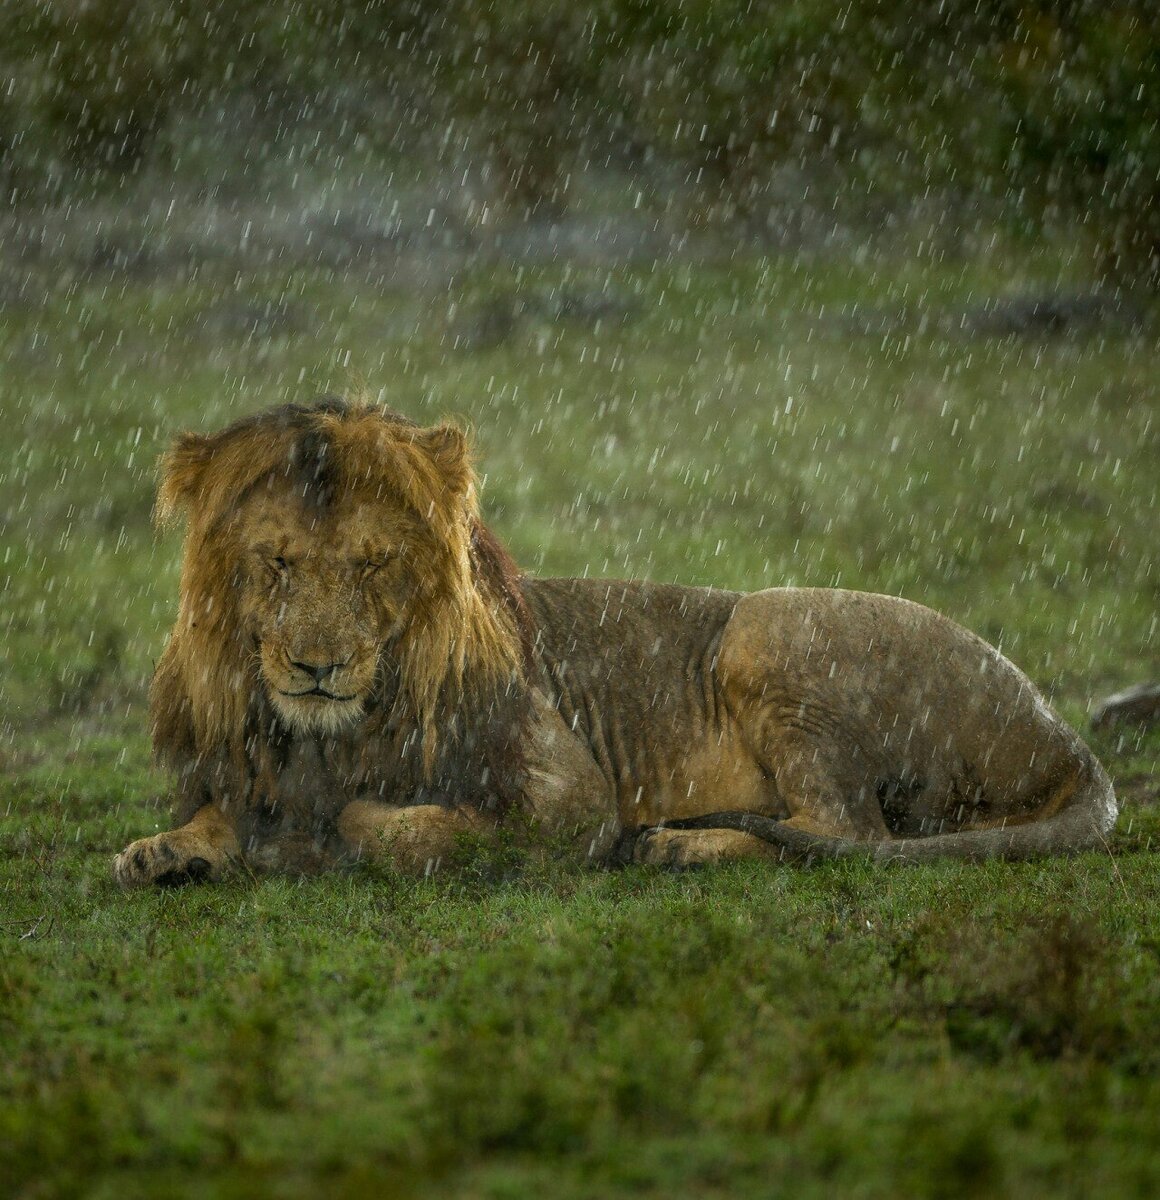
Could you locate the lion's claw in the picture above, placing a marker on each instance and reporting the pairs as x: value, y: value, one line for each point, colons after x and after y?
x: 170, y: 860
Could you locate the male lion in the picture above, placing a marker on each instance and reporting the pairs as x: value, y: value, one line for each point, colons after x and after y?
x: 358, y: 668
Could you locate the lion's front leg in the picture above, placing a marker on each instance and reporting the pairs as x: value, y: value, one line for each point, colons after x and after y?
x: 413, y: 840
x: 570, y: 807
x: 201, y: 851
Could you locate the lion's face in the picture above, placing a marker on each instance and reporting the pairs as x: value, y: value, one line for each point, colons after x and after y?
x: 324, y: 543
x: 321, y: 593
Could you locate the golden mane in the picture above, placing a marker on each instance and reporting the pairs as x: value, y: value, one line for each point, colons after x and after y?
x: 462, y: 643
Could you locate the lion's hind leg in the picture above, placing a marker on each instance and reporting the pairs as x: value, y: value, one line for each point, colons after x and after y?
x: 661, y: 847
x: 199, y: 852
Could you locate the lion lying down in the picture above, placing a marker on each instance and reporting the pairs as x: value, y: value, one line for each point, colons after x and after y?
x: 358, y: 668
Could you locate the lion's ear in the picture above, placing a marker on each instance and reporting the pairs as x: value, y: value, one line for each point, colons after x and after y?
x: 181, y: 473
x: 449, y: 449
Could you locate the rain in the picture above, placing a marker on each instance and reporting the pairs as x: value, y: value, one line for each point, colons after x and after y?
x: 726, y: 294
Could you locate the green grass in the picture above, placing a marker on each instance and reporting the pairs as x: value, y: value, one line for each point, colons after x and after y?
x: 512, y: 1028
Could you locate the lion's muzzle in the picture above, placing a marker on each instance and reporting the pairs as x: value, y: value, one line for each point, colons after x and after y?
x: 321, y: 678
x: 316, y: 693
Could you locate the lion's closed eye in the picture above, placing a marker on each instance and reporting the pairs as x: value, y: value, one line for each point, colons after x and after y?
x: 277, y: 569
x: 368, y: 567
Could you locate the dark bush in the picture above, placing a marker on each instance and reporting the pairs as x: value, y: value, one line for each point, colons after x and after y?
x: 1047, y: 105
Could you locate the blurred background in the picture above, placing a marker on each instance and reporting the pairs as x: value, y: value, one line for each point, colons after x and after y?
x: 786, y: 122
x: 853, y: 293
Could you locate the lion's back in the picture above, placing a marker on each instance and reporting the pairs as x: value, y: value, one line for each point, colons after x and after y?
x: 901, y: 689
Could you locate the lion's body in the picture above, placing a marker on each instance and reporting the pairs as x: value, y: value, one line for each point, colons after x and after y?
x: 358, y: 668
x: 847, y: 715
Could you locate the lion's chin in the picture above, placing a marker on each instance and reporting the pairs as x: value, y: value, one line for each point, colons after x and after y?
x: 316, y: 714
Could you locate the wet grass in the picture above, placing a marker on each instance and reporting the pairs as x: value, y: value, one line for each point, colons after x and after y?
x: 946, y: 1030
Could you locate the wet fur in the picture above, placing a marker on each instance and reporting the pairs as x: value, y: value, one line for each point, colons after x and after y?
x: 679, y: 725
x: 448, y: 705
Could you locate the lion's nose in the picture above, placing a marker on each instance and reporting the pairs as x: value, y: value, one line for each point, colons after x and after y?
x: 317, y: 671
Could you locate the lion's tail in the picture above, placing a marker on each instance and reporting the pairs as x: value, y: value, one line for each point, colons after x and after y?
x: 1084, y: 813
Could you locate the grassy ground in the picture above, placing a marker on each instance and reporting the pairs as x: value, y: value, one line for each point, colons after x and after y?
x: 949, y: 1030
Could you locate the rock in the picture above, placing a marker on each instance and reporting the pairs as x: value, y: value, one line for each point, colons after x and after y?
x: 1138, y: 705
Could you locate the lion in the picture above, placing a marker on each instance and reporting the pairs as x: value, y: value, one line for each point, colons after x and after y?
x: 358, y: 669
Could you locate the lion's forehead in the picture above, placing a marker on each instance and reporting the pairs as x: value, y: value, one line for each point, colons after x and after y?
x: 279, y: 522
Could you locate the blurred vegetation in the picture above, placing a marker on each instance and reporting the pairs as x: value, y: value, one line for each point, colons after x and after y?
x: 1050, y: 106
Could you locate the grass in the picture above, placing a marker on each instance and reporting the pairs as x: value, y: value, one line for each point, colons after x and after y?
x: 946, y: 1030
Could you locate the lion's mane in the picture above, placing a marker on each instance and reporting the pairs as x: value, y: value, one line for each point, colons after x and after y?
x: 451, y: 692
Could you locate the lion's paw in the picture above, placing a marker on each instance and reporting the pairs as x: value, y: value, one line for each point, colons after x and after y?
x: 171, y: 860
x: 681, y: 849
x: 662, y: 848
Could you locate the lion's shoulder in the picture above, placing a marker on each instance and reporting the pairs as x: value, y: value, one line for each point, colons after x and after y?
x: 587, y: 615
x: 627, y: 646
